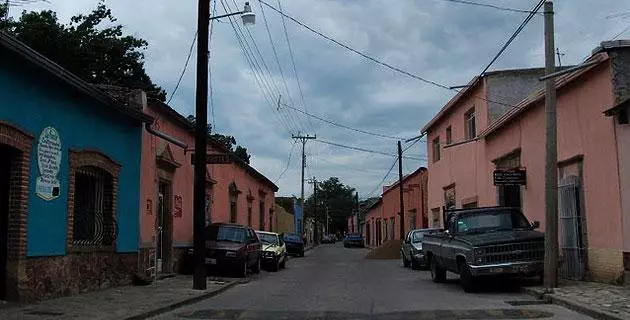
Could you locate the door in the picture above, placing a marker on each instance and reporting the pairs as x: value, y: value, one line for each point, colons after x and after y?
x: 5, y: 175
x: 164, y: 227
x: 572, y: 244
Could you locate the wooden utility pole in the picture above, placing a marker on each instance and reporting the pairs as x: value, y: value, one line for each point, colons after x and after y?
x: 551, y: 163
x: 315, y: 215
x: 303, y: 139
x: 400, y: 187
x: 201, y: 132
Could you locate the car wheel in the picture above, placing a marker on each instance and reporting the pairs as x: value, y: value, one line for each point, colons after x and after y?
x: 438, y: 274
x: 404, y: 260
x: 243, y: 272
x: 256, y: 268
x: 284, y: 262
x: 466, y: 279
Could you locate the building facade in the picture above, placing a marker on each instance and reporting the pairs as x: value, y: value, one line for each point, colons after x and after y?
x: 592, y: 156
x: 69, y: 180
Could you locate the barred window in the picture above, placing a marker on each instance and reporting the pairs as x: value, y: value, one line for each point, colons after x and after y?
x: 93, y: 208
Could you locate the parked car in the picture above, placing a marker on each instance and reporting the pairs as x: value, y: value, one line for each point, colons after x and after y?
x: 495, y: 241
x: 328, y: 239
x: 353, y: 240
x: 232, y: 246
x: 411, y: 249
x: 274, y: 251
x: 294, y: 244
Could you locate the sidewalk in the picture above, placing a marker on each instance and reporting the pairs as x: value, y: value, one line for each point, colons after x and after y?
x: 129, y: 302
x: 598, y: 300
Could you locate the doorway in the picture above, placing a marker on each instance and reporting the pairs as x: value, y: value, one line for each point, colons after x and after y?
x: 5, y: 184
x: 164, y: 228
x: 510, y: 196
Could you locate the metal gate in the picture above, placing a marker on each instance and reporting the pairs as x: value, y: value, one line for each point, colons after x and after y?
x: 572, y: 248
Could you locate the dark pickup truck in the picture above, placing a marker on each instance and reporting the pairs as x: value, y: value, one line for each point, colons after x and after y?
x: 491, y: 241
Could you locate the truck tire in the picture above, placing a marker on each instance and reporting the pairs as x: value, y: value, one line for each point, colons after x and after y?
x: 438, y: 274
x: 466, y: 279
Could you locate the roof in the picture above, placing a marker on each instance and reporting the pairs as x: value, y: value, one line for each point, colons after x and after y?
x: 40, y: 61
x: 181, y: 120
x: 405, y: 178
x: 539, y: 95
x: 374, y: 205
x: 267, y: 232
x: 468, y: 88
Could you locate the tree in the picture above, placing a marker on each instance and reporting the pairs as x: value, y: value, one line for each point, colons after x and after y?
x: 91, y: 46
x: 338, y: 198
x: 227, y: 141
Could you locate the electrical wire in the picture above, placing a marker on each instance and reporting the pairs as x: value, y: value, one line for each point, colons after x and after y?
x: 181, y: 75
x: 297, y: 77
x: 378, y: 186
x: 365, y: 150
x: 214, y: 11
x: 288, y: 162
x: 341, y: 125
x: 520, y: 28
x: 487, y: 6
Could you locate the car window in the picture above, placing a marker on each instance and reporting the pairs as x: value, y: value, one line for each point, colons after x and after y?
x: 417, y: 237
x: 225, y: 233
x: 268, y: 238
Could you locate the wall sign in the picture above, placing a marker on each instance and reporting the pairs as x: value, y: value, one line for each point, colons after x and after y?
x: 515, y: 177
x: 48, y: 161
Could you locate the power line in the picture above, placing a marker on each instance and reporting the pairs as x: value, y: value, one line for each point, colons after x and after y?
x: 375, y: 60
x: 297, y: 77
x: 181, y: 76
x: 214, y: 12
x: 488, y: 6
x: 620, y: 33
x: 341, y: 125
x: 514, y: 35
x: 288, y: 162
x: 365, y: 150
x: 383, y: 180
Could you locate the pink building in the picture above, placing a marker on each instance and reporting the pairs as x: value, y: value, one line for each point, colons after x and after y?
x: 235, y: 192
x: 469, y: 140
x: 383, y: 219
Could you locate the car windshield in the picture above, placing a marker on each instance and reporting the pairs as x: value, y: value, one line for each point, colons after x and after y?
x: 492, y: 221
x: 225, y: 233
x: 267, y: 238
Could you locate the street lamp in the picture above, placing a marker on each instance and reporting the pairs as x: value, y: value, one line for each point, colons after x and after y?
x: 201, y: 132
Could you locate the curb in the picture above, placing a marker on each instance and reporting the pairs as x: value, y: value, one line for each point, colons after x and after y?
x: 179, y: 304
x: 572, y: 305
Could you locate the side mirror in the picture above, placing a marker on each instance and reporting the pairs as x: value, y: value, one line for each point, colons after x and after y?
x: 535, y: 224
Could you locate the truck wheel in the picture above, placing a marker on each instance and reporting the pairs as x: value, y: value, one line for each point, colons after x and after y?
x: 438, y: 274
x: 466, y: 279
x: 404, y: 260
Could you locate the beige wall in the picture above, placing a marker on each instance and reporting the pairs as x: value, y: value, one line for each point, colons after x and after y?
x: 284, y: 221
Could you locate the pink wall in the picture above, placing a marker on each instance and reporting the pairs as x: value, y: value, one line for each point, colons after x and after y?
x: 413, y: 190
x: 582, y: 130
x: 182, y: 185
x: 461, y: 165
x: 371, y: 216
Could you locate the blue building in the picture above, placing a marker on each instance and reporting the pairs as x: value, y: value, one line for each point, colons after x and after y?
x: 69, y: 180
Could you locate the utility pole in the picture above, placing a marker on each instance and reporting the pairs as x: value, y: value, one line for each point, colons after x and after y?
x: 201, y: 132
x: 303, y: 139
x: 327, y: 231
x: 551, y: 169
x: 400, y: 186
x: 313, y: 181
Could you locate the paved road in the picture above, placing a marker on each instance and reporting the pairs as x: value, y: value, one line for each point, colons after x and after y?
x: 336, y: 283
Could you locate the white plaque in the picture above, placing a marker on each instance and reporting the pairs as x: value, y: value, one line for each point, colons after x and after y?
x: 48, y: 161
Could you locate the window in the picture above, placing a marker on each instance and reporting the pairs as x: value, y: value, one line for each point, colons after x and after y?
x: 225, y: 233
x: 436, y: 149
x: 93, y: 210
x: 469, y: 124
x: 449, y: 135
x: 449, y: 197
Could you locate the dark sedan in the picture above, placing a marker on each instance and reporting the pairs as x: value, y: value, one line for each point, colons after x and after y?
x: 295, y: 245
x: 232, y: 247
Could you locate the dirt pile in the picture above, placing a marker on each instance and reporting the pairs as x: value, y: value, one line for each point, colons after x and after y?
x: 388, y: 250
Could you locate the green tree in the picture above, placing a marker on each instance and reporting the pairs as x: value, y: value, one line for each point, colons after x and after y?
x: 338, y: 198
x: 91, y: 46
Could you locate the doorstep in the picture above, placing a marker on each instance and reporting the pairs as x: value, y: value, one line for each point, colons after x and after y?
x: 128, y: 302
x: 597, y: 300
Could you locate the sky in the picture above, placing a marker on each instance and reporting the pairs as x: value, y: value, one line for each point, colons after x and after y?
x: 444, y: 41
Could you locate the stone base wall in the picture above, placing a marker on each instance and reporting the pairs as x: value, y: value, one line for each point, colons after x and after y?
x: 182, y: 262
x: 605, y: 265
x: 75, y: 273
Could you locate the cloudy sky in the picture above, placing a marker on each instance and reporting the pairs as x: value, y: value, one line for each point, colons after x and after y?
x: 444, y: 41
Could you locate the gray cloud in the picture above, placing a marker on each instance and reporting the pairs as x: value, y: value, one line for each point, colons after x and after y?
x: 442, y: 41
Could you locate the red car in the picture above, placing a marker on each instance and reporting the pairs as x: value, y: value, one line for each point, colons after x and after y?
x: 233, y: 247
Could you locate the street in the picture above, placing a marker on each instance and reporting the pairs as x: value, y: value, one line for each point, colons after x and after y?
x: 332, y: 282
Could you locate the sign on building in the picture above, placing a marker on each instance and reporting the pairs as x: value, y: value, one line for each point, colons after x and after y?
x: 509, y: 177
x: 48, y: 161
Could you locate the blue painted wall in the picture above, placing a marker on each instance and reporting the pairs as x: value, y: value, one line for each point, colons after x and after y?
x: 33, y: 99
x: 298, y: 217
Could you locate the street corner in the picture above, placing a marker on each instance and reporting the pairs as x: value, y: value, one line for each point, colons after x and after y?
x: 328, y: 315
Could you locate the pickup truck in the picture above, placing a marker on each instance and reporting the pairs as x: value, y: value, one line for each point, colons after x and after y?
x: 491, y: 241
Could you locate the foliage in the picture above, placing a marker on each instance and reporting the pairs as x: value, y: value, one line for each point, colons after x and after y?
x: 229, y: 142
x: 91, y: 46
x: 338, y: 198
